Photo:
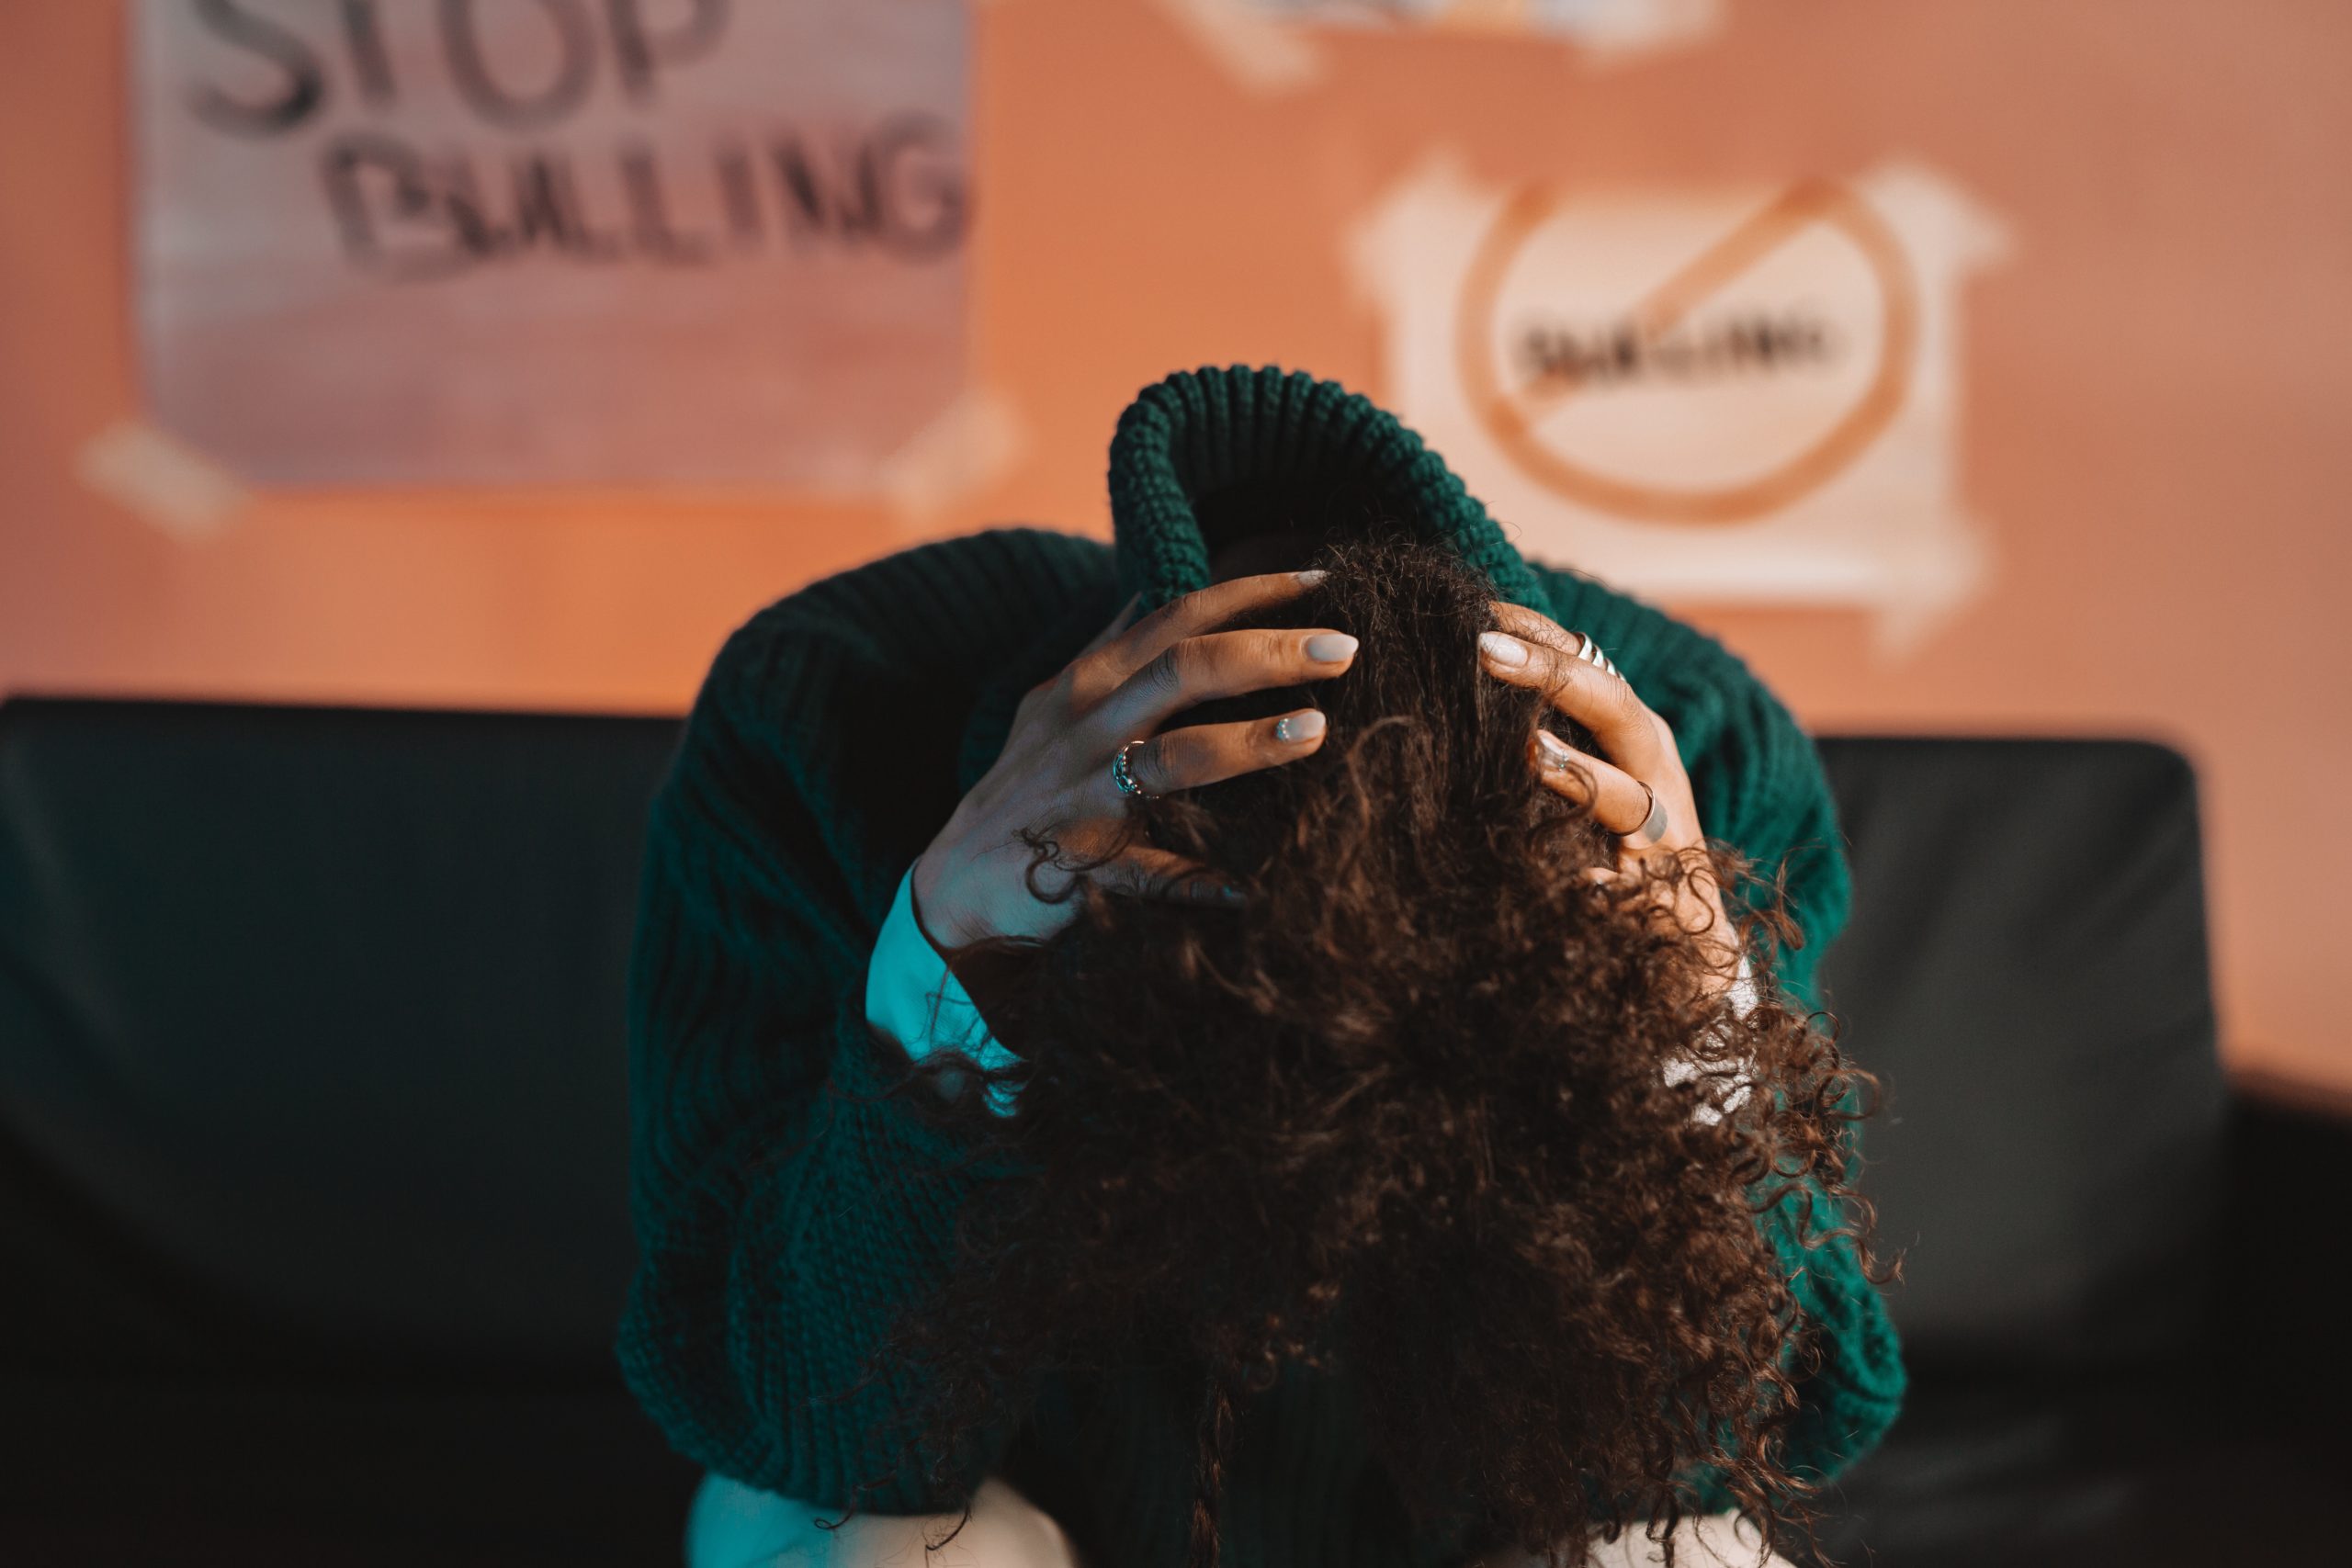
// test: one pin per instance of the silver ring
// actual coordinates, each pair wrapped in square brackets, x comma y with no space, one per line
[1121,777]
[1653,829]
[1591,653]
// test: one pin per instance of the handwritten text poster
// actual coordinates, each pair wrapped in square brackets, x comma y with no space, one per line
[705,241]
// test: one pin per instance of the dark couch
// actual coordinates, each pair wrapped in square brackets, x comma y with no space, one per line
[312,1134]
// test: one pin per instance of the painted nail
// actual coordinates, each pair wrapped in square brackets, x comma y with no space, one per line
[1311,576]
[1554,751]
[1232,895]
[1299,725]
[1330,648]
[1503,649]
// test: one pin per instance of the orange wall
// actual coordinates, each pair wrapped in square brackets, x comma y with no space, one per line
[2156,385]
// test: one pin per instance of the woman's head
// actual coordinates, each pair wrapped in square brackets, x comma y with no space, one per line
[1406,1114]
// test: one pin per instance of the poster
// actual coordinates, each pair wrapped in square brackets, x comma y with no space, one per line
[1745,394]
[552,242]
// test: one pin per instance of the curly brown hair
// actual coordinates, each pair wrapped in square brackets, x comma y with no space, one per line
[1404,1115]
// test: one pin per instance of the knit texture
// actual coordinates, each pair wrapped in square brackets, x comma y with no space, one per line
[788,1203]
[1201,432]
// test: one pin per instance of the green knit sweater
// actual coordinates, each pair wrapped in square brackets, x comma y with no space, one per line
[779,1225]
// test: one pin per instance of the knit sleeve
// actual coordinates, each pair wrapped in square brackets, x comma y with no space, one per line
[787,1206]
[1760,786]
[1852,1390]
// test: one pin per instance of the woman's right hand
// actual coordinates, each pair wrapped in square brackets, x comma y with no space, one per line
[1054,774]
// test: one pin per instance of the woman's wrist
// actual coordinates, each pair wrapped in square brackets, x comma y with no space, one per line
[920,901]
[935,908]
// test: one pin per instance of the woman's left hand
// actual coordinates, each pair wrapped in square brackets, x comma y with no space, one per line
[1535,651]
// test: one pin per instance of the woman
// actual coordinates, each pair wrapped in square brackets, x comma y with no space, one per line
[1368,1120]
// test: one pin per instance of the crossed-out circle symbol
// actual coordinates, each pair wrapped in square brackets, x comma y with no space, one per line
[1509,413]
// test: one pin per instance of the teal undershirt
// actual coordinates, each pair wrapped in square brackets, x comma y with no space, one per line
[915,999]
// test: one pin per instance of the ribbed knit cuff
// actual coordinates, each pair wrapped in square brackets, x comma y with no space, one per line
[918,1134]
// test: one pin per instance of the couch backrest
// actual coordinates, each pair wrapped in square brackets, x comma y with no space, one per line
[2026,968]
[312,1049]
[310,1031]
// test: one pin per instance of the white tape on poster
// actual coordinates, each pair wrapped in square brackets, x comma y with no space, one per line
[1260,53]
[161,480]
[1605,30]
[1737,395]
[712,242]
[975,443]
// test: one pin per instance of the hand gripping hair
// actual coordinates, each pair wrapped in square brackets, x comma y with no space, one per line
[1408,1115]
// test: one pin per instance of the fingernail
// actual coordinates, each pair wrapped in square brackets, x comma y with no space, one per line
[1554,751]
[1503,649]
[1299,725]
[1311,576]
[1330,648]
[1229,894]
